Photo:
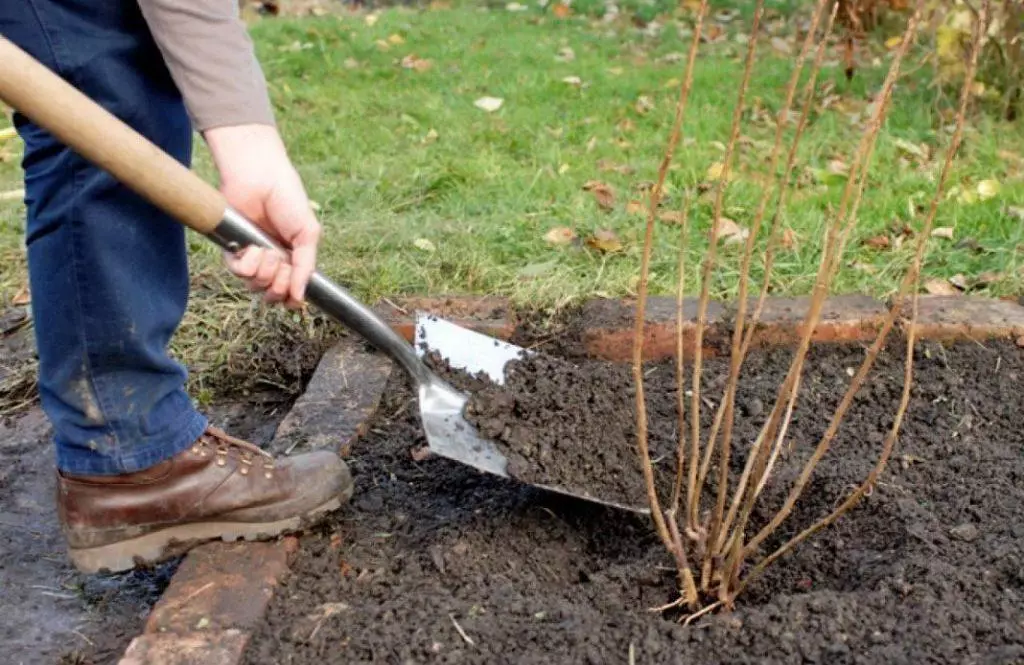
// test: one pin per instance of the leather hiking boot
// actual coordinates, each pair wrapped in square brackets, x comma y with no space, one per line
[219,488]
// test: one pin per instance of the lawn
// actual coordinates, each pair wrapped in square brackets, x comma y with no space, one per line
[423,192]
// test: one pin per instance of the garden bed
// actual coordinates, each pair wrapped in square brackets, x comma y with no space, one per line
[434,562]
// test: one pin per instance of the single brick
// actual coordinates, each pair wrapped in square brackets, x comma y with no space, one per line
[338,402]
[221,586]
[222,647]
[959,317]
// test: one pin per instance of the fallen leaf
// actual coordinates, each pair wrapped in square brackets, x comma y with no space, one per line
[560,235]
[605,241]
[1014,211]
[671,58]
[516,7]
[431,136]
[940,287]
[425,245]
[561,11]
[714,173]
[726,15]
[573,80]
[12,195]
[351,63]
[911,149]
[636,208]
[419,64]
[396,39]
[838,167]
[591,144]
[863,267]
[788,238]
[988,189]
[8,133]
[893,42]
[604,194]
[419,454]
[563,169]
[314,206]
[959,281]
[730,232]
[489,104]
[371,19]
[615,71]
[781,45]
[22,297]
[671,216]
[565,54]
[383,45]
[943,232]
[878,242]
[643,105]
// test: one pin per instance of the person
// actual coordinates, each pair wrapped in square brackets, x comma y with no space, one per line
[142,475]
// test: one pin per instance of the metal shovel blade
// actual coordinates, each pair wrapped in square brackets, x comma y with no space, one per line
[449,434]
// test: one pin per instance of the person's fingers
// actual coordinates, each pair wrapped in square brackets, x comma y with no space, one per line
[267,270]
[278,290]
[304,246]
[245,263]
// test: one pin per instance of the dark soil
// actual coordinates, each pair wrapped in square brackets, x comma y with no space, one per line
[433,562]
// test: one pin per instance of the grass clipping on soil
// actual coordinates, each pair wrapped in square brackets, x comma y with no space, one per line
[701,513]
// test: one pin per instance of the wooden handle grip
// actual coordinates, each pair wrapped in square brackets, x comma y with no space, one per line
[98,136]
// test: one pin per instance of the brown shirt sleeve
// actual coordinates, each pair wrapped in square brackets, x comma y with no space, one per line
[211,58]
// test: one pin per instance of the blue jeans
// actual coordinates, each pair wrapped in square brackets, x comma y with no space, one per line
[108,271]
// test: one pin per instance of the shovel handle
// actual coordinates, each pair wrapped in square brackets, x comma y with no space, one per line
[94,133]
[78,122]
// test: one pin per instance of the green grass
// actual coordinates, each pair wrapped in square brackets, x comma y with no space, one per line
[487,189]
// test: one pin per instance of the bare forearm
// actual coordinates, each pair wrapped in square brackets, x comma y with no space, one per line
[210,56]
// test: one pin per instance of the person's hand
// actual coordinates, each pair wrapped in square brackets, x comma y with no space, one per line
[258,180]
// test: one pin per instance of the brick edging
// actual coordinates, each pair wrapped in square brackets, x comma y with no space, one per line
[221,592]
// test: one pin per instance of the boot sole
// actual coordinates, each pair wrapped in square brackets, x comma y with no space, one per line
[168,543]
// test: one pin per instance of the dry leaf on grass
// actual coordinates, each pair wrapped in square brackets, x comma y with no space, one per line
[489,104]
[413,62]
[788,238]
[878,242]
[22,297]
[781,45]
[573,81]
[715,171]
[602,192]
[565,54]
[8,133]
[729,232]
[425,245]
[396,39]
[560,235]
[644,105]
[561,11]
[12,195]
[671,216]
[988,189]
[943,232]
[959,281]
[605,241]
[940,287]
[636,208]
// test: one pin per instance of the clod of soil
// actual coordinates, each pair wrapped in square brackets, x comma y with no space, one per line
[435,562]
[566,425]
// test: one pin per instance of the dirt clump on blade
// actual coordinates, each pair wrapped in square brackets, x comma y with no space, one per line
[565,425]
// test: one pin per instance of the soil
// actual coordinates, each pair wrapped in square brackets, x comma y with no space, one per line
[434,562]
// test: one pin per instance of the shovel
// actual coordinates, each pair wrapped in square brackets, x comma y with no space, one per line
[95,134]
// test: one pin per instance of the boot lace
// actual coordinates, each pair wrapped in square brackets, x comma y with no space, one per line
[226,446]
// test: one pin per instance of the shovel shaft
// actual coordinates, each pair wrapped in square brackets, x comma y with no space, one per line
[97,135]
